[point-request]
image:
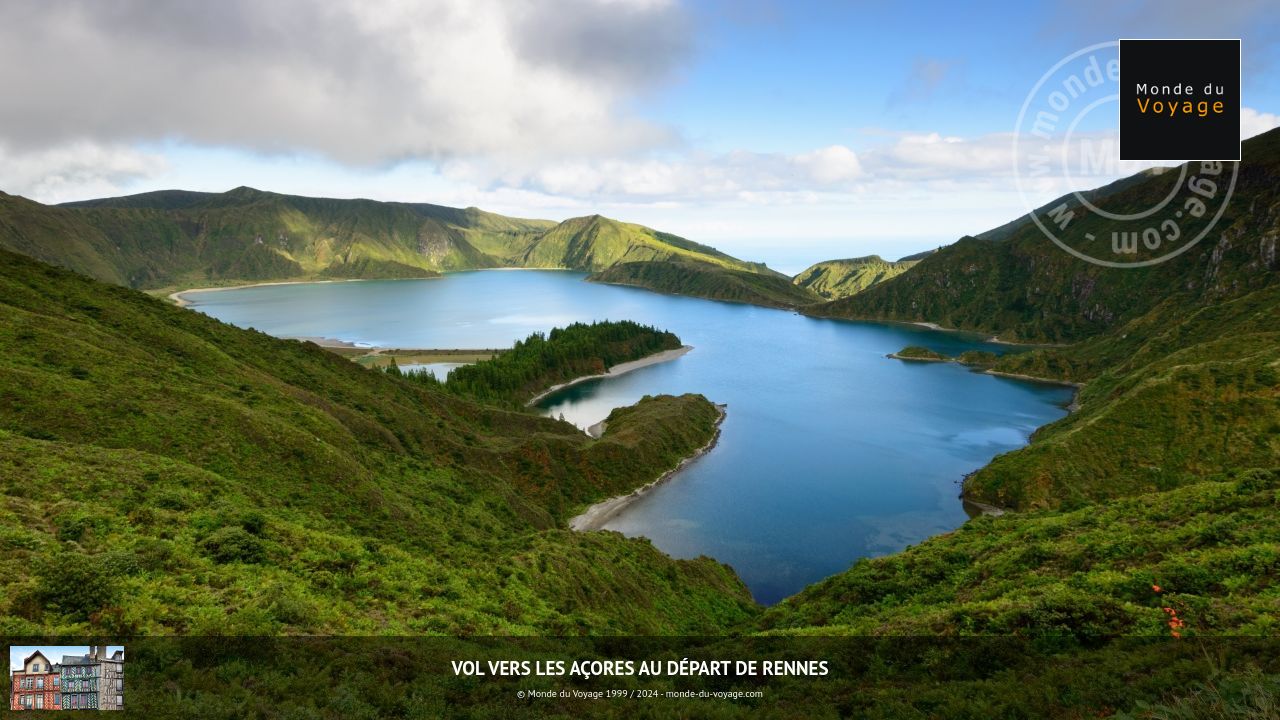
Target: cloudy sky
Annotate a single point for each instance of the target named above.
(781, 131)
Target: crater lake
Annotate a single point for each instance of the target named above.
(829, 451)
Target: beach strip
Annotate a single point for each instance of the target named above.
(595, 517)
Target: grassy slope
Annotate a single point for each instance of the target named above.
(216, 480)
(832, 279)
(705, 280)
(1212, 547)
(595, 243)
(1174, 396)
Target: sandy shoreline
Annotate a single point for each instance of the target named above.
(177, 297)
(594, 517)
(180, 301)
(616, 370)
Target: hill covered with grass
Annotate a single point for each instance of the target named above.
(166, 473)
(833, 279)
(1172, 397)
(178, 238)
(1209, 546)
(758, 286)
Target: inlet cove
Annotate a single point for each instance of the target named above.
(829, 451)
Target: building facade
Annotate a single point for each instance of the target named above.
(79, 683)
(94, 681)
(111, 681)
(37, 685)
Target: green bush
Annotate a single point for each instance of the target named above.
(233, 544)
(74, 584)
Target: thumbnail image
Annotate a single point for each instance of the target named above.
(66, 677)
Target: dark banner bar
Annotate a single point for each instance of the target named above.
(361, 677)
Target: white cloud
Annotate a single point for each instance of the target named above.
(1253, 122)
(75, 170)
(829, 165)
(691, 177)
(932, 156)
(360, 82)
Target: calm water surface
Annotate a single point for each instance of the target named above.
(830, 452)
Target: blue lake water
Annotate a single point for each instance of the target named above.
(830, 451)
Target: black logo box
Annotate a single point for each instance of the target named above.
(1185, 67)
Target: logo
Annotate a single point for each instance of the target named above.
(1110, 212)
(1180, 99)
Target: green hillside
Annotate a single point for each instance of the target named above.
(177, 238)
(706, 280)
(1021, 286)
(1210, 547)
(832, 279)
(1171, 398)
(595, 243)
(166, 473)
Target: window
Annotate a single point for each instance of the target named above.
(35, 667)
(120, 700)
(119, 684)
(39, 683)
(40, 702)
(55, 680)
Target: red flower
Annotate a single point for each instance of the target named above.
(1156, 588)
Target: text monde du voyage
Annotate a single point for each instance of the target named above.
(1180, 99)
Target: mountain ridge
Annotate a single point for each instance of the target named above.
(179, 238)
